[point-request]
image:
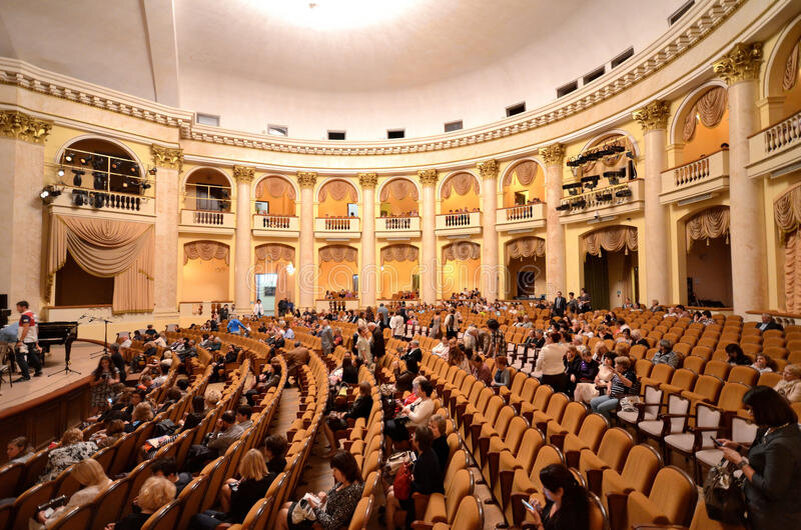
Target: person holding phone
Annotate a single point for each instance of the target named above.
(566, 506)
(104, 378)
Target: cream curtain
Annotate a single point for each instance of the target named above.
(460, 251)
(398, 189)
(525, 171)
(338, 189)
(275, 252)
(206, 251)
(792, 272)
(610, 239)
(106, 248)
(399, 253)
(275, 187)
(710, 107)
(708, 224)
(791, 68)
(525, 247)
(787, 210)
(338, 254)
(461, 183)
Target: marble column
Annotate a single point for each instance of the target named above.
(553, 156)
(168, 162)
(307, 272)
(369, 274)
(740, 69)
(243, 271)
(653, 118)
(428, 256)
(22, 176)
(489, 240)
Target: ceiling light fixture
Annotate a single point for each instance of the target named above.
(76, 179)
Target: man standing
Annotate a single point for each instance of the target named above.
(258, 308)
(396, 324)
(436, 326)
(383, 314)
(572, 303)
(224, 313)
(377, 347)
(559, 305)
(26, 343)
(584, 301)
(451, 324)
(327, 338)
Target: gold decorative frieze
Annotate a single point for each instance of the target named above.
(167, 157)
(488, 169)
(20, 126)
(553, 154)
(244, 173)
(307, 179)
(427, 176)
(740, 64)
(653, 116)
(368, 180)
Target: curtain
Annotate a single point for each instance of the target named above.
(708, 224)
(610, 239)
(274, 187)
(338, 189)
(525, 247)
(525, 171)
(461, 251)
(787, 210)
(206, 251)
(275, 252)
(398, 189)
(710, 107)
(596, 281)
(609, 162)
(461, 183)
(792, 272)
(791, 69)
(399, 253)
(338, 254)
(274, 258)
(120, 249)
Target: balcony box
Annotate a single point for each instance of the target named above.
(626, 198)
(458, 224)
(777, 149)
(207, 222)
(114, 205)
(398, 228)
(276, 226)
(696, 181)
(337, 228)
(520, 218)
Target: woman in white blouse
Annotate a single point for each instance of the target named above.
(89, 473)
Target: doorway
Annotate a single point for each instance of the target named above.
(611, 278)
(265, 290)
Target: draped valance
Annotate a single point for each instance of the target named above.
(461, 183)
(791, 68)
(275, 252)
(708, 224)
(122, 250)
(338, 189)
(399, 253)
(526, 247)
(709, 108)
(610, 162)
(525, 171)
(399, 189)
(787, 211)
(610, 239)
(275, 187)
(461, 251)
(206, 251)
(337, 254)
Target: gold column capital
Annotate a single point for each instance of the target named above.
(488, 169)
(427, 176)
(740, 64)
(553, 154)
(20, 126)
(244, 173)
(167, 157)
(307, 179)
(368, 180)
(653, 116)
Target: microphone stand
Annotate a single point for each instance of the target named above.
(67, 370)
(104, 351)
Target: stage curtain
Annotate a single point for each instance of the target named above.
(791, 68)
(102, 247)
(461, 251)
(525, 247)
(710, 107)
(338, 254)
(338, 189)
(610, 239)
(206, 251)
(398, 189)
(275, 187)
(461, 183)
(708, 224)
(399, 253)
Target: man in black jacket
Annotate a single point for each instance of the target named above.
(377, 347)
(559, 305)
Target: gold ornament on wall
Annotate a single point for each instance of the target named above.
(653, 116)
(553, 154)
(307, 179)
(244, 173)
(167, 157)
(488, 169)
(427, 176)
(20, 126)
(368, 180)
(740, 64)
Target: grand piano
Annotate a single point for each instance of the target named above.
(64, 332)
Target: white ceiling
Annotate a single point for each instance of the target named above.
(364, 66)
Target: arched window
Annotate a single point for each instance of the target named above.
(207, 189)
(101, 165)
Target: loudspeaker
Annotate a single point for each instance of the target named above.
(3, 301)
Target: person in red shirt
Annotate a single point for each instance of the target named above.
(26, 343)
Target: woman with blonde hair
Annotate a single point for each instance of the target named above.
(141, 413)
(71, 450)
(790, 385)
(89, 474)
(154, 493)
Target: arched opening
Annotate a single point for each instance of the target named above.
(338, 198)
(274, 275)
(523, 184)
(459, 192)
(399, 198)
(76, 287)
(400, 276)
(709, 258)
(791, 68)
(101, 165)
(611, 266)
(207, 189)
(461, 267)
(275, 196)
(205, 271)
(339, 271)
(526, 262)
(606, 161)
(702, 127)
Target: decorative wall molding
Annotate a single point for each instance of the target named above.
(20, 126)
(167, 157)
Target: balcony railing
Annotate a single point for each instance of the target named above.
(604, 203)
(458, 223)
(397, 227)
(208, 221)
(276, 225)
(698, 180)
(776, 147)
(337, 227)
(523, 217)
(72, 198)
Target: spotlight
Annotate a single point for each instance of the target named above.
(563, 207)
(581, 203)
(98, 199)
(573, 188)
(605, 197)
(100, 180)
(145, 186)
(49, 194)
(590, 182)
(76, 180)
(115, 165)
(83, 159)
(613, 177)
(623, 193)
(79, 197)
(61, 172)
(134, 169)
(68, 157)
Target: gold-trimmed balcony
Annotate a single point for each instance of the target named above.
(276, 226)
(697, 180)
(207, 222)
(337, 228)
(520, 218)
(604, 204)
(73, 200)
(776, 150)
(399, 228)
(458, 224)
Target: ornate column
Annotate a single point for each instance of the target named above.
(489, 241)
(22, 172)
(243, 279)
(740, 69)
(368, 275)
(553, 156)
(307, 272)
(653, 118)
(169, 162)
(428, 256)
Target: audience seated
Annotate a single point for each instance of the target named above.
(566, 506)
(89, 474)
(71, 450)
(154, 493)
(790, 385)
(19, 450)
(337, 421)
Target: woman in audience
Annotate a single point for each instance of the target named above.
(790, 385)
(456, 357)
(89, 474)
(551, 362)
(113, 432)
(772, 469)
(736, 355)
(414, 415)
(439, 429)
(566, 507)
(141, 413)
(584, 376)
(19, 450)
(623, 383)
(237, 497)
(275, 447)
(502, 376)
(154, 493)
(337, 421)
(762, 363)
(340, 501)
(71, 450)
(104, 376)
